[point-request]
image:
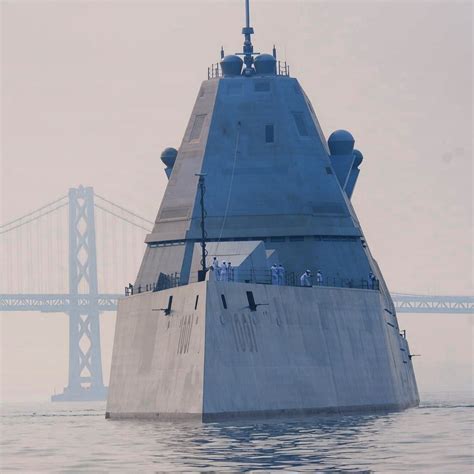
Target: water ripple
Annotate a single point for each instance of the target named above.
(436, 437)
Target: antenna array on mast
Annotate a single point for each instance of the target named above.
(247, 31)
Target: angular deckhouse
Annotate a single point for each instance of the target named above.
(256, 183)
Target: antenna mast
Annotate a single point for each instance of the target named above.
(247, 31)
(204, 269)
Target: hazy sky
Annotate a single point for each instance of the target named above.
(92, 91)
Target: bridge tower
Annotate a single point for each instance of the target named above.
(85, 364)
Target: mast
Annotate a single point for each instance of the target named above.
(202, 188)
(247, 31)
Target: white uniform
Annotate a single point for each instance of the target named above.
(274, 270)
(281, 275)
(223, 273)
(304, 279)
(319, 278)
(217, 269)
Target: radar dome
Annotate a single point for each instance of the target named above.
(265, 64)
(341, 142)
(168, 156)
(358, 157)
(231, 65)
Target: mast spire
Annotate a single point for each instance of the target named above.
(247, 31)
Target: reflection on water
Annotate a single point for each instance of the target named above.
(436, 437)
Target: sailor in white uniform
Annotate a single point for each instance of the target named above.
(223, 272)
(372, 280)
(230, 272)
(305, 279)
(319, 278)
(281, 274)
(217, 270)
(274, 270)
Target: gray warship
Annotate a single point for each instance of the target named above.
(256, 183)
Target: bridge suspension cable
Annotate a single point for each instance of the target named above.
(33, 215)
(122, 218)
(123, 209)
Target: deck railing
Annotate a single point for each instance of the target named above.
(263, 277)
(214, 71)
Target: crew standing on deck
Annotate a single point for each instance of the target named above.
(230, 272)
(216, 268)
(223, 272)
(319, 278)
(274, 270)
(281, 274)
(372, 280)
(305, 279)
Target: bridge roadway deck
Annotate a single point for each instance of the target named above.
(62, 303)
(58, 303)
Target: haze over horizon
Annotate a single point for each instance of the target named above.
(93, 91)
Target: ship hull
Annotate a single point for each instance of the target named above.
(299, 351)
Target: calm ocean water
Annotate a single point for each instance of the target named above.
(63, 437)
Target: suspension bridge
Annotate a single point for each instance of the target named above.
(57, 257)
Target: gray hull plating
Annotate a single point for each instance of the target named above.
(304, 350)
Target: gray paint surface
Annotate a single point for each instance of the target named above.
(257, 190)
(157, 362)
(309, 350)
(249, 181)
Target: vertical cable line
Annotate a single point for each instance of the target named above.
(59, 250)
(105, 259)
(114, 266)
(50, 250)
(28, 241)
(41, 278)
(55, 250)
(123, 252)
(99, 256)
(16, 261)
(9, 261)
(236, 151)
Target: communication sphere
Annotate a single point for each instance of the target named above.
(341, 142)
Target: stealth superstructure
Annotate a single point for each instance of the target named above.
(202, 341)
